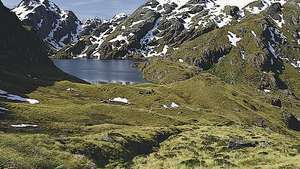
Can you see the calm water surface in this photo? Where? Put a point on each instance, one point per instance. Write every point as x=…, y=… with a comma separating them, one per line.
x=102, y=71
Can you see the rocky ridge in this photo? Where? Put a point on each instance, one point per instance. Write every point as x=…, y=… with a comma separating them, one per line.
x=160, y=26
x=93, y=35
x=57, y=27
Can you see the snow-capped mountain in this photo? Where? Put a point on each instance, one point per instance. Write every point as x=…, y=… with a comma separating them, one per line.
x=55, y=26
x=94, y=33
x=161, y=25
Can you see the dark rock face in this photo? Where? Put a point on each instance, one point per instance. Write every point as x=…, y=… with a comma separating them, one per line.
x=232, y=11
x=14, y=42
x=93, y=42
x=55, y=26
x=273, y=40
x=274, y=11
x=277, y=103
x=90, y=26
x=239, y=144
x=291, y=121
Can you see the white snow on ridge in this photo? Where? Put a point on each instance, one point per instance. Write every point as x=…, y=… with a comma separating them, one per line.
x=22, y=11
x=137, y=22
x=266, y=4
x=296, y=65
x=216, y=9
x=25, y=8
x=239, y=3
x=180, y=3
x=279, y=22
x=120, y=38
x=118, y=16
x=233, y=38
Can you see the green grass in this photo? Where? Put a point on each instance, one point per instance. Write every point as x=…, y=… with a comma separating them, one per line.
x=207, y=147
x=77, y=130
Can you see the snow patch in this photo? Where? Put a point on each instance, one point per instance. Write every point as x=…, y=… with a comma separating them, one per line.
x=6, y=95
x=136, y=23
x=266, y=4
x=279, y=22
x=233, y=38
x=296, y=65
x=23, y=125
x=3, y=109
x=120, y=38
x=254, y=34
x=173, y=105
x=119, y=100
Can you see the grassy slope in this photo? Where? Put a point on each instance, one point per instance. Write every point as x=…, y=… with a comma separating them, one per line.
x=77, y=123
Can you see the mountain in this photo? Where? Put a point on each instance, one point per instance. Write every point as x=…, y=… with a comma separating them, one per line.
x=24, y=62
x=162, y=25
x=260, y=50
x=14, y=47
x=94, y=33
x=55, y=26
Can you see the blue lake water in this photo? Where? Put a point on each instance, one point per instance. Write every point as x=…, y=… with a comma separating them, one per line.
x=102, y=71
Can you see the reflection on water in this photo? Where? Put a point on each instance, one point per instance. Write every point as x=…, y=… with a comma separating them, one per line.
x=102, y=71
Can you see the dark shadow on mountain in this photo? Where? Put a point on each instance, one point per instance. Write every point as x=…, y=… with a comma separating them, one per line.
x=24, y=62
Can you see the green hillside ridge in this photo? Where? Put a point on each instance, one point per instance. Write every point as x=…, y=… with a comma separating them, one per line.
x=250, y=61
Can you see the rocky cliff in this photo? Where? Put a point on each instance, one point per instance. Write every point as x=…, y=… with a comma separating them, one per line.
x=57, y=27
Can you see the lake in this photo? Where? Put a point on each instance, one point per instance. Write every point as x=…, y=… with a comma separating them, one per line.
x=102, y=71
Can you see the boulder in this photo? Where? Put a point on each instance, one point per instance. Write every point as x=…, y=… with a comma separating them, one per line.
x=274, y=11
x=277, y=103
x=232, y=11
x=291, y=121
x=239, y=144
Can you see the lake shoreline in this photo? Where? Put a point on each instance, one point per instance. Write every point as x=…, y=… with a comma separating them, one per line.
x=95, y=71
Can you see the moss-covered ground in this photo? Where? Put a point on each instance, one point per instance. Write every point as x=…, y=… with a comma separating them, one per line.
x=78, y=129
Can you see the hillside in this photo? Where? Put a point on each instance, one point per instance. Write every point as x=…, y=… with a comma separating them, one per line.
x=24, y=62
x=257, y=50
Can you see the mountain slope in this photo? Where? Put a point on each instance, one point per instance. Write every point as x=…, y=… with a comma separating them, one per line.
x=24, y=62
x=262, y=50
x=160, y=25
x=55, y=26
x=94, y=33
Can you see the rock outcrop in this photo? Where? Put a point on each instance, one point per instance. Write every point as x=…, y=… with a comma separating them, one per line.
x=57, y=27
